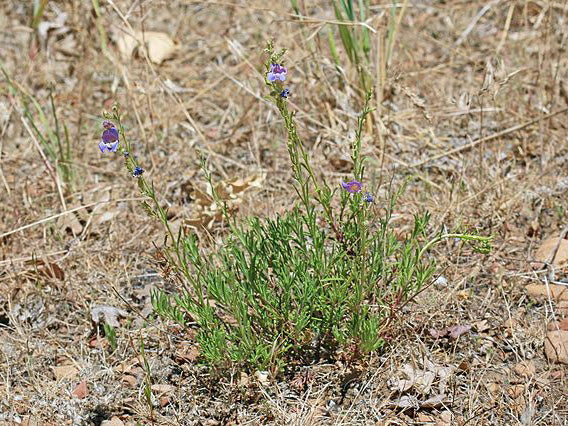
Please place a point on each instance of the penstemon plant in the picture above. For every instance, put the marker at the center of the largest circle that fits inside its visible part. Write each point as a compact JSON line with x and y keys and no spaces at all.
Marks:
{"x":327,"y":277}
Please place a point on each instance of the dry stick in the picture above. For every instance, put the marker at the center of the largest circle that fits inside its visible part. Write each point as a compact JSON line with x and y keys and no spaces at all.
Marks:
{"x":52,"y":172}
{"x":490,"y":137}
{"x":55,"y":216}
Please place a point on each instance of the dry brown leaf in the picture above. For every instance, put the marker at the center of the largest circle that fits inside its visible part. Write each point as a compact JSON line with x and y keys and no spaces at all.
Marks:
{"x":454,"y":332}
{"x":207,"y":212}
{"x":129,"y":380}
{"x":160,"y":46}
{"x":481,"y":326}
{"x":163,"y":388}
{"x":558,"y":325}
{"x":46,"y":269}
{"x":556,"y":346}
{"x":108,"y":314}
{"x":525,"y":369}
{"x":562,"y":308}
{"x":445,"y":419}
{"x":457,"y":330}
{"x":516,"y":390}
{"x":540,"y":291}
{"x":546,"y":252}
{"x":262,"y":377}
{"x":65,"y":372}
{"x":81,"y":391}
{"x":69,"y":223}
{"x":187,"y":352}
{"x":114,"y":421}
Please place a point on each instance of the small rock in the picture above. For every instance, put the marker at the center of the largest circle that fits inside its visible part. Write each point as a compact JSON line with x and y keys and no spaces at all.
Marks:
{"x":556,"y":346}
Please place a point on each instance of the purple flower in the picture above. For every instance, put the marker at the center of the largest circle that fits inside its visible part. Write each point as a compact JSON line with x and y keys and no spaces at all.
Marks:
{"x":137,"y":172}
{"x":109,"y":138}
{"x":285,"y":93}
{"x":126,"y":154}
{"x":368,"y":198}
{"x":352,"y":187}
{"x":277,"y":72}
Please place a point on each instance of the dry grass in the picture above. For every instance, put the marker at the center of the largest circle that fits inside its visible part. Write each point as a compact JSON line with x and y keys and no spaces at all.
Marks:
{"x":469,"y":112}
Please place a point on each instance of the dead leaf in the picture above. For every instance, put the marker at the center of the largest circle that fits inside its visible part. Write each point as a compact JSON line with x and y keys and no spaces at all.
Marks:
{"x":164,"y":400}
{"x":109,"y":315}
{"x":163,"y":388}
{"x":46,"y":269}
{"x":187,"y":352}
{"x":556,"y":346}
{"x":457,"y":330}
{"x":207,"y":212}
{"x":244,"y":379}
{"x":454,"y":332}
{"x":516,"y":390}
{"x":65,"y":372}
{"x":68,"y":223}
{"x":81,"y":391}
{"x":558,"y":325}
{"x":262,"y":377}
{"x":435,"y":401}
{"x":407,"y":401}
{"x":58,"y":24}
{"x":160,"y":46}
{"x":129,"y":380}
{"x":445,"y":419}
{"x":481,"y":326}
{"x":114,"y":421}
{"x":540,"y":292}
{"x":562,"y":308}
{"x":545,"y":252}
{"x":525,"y":369}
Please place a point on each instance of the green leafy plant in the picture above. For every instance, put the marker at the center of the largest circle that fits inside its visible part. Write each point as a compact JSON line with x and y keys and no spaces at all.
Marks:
{"x":327,"y":277}
{"x":110,"y":334}
{"x":355,"y":36}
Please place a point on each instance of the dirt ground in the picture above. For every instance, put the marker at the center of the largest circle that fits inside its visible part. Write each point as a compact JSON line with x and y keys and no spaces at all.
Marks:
{"x":473,"y":114}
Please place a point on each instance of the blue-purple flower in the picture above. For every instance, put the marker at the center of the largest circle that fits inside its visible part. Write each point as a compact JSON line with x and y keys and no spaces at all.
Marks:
{"x":137,"y":172}
{"x":352,"y":187}
{"x":109,"y":138}
{"x":284,"y":93}
{"x":277,"y":72}
{"x":368,"y":198}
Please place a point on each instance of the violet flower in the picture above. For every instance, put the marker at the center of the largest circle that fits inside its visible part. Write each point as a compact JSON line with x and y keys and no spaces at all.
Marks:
{"x":137,"y":172}
{"x":352,"y":187}
{"x":277,"y":72}
{"x":109,"y":138}
{"x":368,"y":198}
{"x":285,"y":93}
